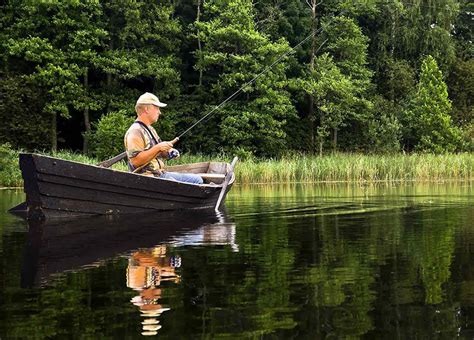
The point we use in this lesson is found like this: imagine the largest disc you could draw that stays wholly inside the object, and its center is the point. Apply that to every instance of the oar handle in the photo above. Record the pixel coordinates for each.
(108, 163)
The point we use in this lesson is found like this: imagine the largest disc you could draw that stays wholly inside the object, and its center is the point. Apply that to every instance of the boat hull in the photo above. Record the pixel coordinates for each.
(57, 188)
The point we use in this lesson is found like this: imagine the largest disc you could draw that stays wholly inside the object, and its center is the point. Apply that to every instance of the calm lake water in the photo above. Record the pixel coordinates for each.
(296, 261)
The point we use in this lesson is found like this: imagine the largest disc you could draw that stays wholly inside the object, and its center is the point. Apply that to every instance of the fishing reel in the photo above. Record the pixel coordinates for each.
(173, 153)
(175, 261)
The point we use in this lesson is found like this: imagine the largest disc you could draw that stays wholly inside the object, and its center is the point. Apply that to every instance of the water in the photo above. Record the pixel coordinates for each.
(299, 261)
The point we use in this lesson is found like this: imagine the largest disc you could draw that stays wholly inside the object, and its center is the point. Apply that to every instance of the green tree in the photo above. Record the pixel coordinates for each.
(141, 47)
(234, 52)
(90, 58)
(407, 30)
(333, 95)
(54, 43)
(339, 79)
(106, 140)
(461, 90)
(428, 116)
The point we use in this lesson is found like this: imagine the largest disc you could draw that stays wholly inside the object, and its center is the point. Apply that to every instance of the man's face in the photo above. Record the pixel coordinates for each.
(154, 113)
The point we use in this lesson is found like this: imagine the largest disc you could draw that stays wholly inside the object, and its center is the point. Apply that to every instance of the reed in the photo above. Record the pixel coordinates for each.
(10, 175)
(358, 168)
(300, 168)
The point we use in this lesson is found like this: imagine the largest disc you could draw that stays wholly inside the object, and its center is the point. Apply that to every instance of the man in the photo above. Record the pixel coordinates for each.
(145, 149)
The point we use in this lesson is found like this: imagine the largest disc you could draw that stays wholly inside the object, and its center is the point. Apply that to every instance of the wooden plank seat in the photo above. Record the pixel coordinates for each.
(215, 178)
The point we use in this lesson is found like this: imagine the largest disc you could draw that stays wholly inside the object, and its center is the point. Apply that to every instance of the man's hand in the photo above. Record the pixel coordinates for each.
(163, 147)
(146, 156)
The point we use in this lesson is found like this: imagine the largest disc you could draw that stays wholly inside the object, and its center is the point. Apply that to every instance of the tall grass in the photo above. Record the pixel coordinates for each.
(299, 168)
(358, 168)
(10, 175)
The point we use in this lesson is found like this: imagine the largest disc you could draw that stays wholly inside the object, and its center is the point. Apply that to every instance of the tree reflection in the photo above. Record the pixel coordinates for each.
(348, 266)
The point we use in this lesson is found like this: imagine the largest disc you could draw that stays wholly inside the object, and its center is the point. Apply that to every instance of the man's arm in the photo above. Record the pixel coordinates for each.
(146, 156)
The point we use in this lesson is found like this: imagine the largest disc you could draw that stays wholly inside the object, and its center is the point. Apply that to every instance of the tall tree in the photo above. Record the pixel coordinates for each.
(333, 94)
(339, 79)
(234, 52)
(428, 115)
(55, 42)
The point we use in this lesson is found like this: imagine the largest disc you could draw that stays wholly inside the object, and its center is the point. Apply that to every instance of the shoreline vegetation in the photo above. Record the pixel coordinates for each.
(340, 167)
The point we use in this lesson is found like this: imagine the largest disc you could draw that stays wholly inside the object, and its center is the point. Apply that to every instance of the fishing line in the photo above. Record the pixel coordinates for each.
(280, 58)
(260, 74)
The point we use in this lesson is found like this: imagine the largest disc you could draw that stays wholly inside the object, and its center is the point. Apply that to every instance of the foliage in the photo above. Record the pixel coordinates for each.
(428, 113)
(79, 54)
(382, 131)
(339, 79)
(10, 175)
(461, 91)
(233, 47)
(64, 65)
(22, 125)
(106, 140)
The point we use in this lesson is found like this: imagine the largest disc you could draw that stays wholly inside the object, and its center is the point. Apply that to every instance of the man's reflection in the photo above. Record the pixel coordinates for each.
(147, 268)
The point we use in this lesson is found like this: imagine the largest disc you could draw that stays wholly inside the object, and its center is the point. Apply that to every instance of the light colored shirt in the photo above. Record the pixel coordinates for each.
(138, 139)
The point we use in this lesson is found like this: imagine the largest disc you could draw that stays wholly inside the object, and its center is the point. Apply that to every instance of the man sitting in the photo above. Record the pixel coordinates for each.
(145, 149)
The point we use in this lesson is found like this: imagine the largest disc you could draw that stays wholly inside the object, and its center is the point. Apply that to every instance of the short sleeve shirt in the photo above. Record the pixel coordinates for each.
(136, 140)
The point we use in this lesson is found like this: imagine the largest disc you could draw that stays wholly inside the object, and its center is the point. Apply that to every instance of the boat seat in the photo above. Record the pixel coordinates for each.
(215, 178)
(208, 175)
(211, 176)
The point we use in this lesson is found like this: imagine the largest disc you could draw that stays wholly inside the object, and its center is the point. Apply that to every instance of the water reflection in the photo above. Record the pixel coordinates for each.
(147, 269)
(60, 246)
(294, 262)
(149, 243)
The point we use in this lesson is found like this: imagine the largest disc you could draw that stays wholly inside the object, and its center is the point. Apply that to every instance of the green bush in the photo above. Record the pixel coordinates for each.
(468, 137)
(106, 139)
(10, 175)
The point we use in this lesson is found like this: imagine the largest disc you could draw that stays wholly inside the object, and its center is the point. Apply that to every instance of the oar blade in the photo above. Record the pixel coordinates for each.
(227, 179)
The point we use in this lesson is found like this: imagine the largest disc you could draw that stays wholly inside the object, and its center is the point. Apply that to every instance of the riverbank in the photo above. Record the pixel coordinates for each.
(300, 168)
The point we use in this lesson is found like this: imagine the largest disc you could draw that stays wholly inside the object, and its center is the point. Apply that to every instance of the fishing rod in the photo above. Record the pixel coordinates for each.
(121, 156)
(259, 75)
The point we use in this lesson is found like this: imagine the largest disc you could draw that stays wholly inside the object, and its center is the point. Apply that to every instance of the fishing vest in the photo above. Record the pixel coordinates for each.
(149, 138)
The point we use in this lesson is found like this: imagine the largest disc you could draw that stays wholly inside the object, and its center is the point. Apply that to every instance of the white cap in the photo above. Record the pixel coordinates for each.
(149, 98)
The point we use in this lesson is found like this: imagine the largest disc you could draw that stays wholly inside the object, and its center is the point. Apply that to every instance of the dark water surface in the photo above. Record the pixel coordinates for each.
(301, 261)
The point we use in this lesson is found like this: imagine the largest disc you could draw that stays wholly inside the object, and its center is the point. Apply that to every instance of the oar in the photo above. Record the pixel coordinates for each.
(108, 163)
(227, 179)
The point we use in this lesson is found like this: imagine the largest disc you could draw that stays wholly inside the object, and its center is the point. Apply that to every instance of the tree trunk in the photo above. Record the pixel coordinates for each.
(109, 80)
(334, 140)
(54, 136)
(87, 122)
(311, 120)
(311, 115)
(198, 16)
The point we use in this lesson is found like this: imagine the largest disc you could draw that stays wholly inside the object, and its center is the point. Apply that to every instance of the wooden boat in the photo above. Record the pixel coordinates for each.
(57, 188)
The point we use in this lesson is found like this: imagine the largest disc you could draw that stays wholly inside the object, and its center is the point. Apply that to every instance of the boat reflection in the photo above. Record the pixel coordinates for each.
(56, 247)
(150, 243)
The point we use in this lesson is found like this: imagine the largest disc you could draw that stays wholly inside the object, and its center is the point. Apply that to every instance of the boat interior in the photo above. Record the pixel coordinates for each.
(211, 172)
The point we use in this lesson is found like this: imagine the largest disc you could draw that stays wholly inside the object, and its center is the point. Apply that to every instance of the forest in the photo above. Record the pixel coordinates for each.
(368, 76)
